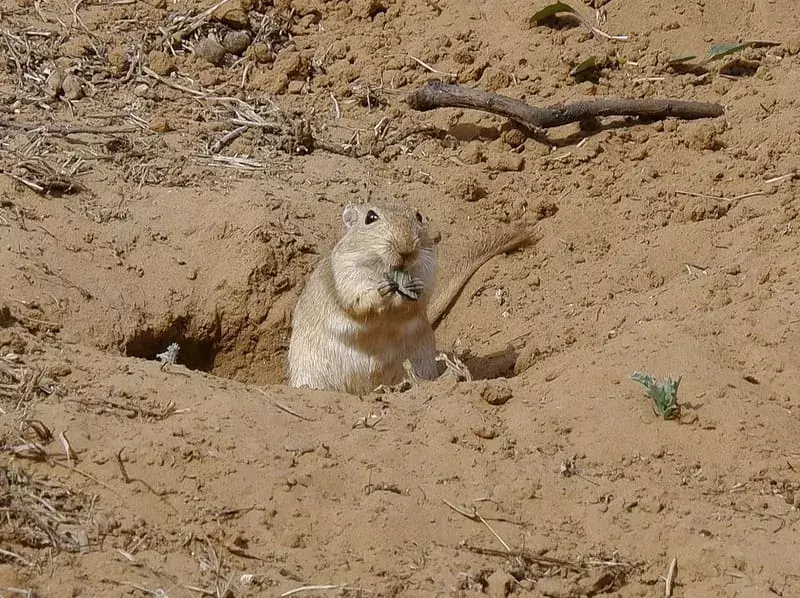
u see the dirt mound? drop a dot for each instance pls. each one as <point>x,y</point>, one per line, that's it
<point>172,172</point>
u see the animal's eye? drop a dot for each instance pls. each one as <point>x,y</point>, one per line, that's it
<point>419,217</point>
<point>371,217</point>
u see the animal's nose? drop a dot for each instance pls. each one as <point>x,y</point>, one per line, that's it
<point>402,257</point>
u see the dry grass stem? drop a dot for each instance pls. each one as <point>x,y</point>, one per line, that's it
<point>431,69</point>
<point>302,589</point>
<point>46,514</point>
<point>669,580</point>
<point>286,409</point>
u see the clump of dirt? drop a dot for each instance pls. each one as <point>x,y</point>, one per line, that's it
<point>171,172</point>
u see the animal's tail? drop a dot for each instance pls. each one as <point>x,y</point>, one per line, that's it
<point>486,249</point>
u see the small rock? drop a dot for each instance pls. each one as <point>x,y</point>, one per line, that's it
<point>366,9</point>
<point>475,71</point>
<point>72,87</point>
<point>210,50</point>
<point>305,7</point>
<point>75,48</point>
<point>293,540</point>
<point>529,356</point>
<point>295,87</point>
<point>54,82</point>
<point>236,42</point>
<point>159,124</point>
<point>721,86</point>
<point>466,188</point>
<point>118,60</point>
<point>494,79</point>
<point>500,584</point>
<point>210,77</point>
<point>291,64</point>
<point>733,270</point>
<point>260,53</point>
<point>473,153</point>
<point>6,319</point>
<point>792,45</point>
<point>701,136</point>
<point>269,82</point>
<point>233,14</point>
<point>485,432</point>
<point>496,393</point>
<point>161,63</point>
<point>463,55</point>
<point>514,137</point>
<point>545,208</point>
<point>505,161</point>
<point>141,90</point>
<point>697,209</point>
<point>556,587</point>
<point>598,582</point>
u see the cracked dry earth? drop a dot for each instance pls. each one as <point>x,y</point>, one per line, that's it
<point>172,170</point>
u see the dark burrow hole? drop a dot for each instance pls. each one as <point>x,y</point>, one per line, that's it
<point>197,351</point>
<point>500,364</point>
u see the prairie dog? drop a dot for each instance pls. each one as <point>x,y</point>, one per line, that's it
<point>354,325</point>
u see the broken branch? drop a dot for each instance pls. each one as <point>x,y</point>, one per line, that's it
<point>443,95</point>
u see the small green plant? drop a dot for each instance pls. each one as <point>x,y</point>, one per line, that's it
<point>664,394</point>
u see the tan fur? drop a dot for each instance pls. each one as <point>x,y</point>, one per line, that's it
<point>349,333</point>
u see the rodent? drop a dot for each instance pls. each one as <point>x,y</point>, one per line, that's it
<point>353,326</point>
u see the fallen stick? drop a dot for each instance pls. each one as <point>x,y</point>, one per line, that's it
<point>444,95</point>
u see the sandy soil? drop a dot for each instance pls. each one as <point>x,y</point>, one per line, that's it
<point>134,213</point>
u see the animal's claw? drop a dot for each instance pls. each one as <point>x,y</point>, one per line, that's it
<point>387,287</point>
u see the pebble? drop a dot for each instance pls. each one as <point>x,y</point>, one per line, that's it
<point>54,82</point>
<point>233,14</point>
<point>161,63</point>
<point>236,42</point>
<point>466,188</point>
<point>210,50</point>
<point>73,89</point>
<point>500,584</point>
<point>500,161</point>
<point>159,124</point>
<point>497,393</point>
<point>367,9</point>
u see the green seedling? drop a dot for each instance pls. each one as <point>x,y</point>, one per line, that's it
<point>664,394</point>
<point>718,51</point>
<point>586,69</point>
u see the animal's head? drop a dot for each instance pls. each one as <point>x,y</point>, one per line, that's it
<point>381,236</point>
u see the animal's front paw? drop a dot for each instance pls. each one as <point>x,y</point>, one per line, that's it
<point>413,286</point>
<point>407,286</point>
<point>387,287</point>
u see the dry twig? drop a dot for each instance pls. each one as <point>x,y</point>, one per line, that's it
<point>442,95</point>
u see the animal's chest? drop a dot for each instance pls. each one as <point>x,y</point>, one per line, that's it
<point>373,355</point>
<point>386,338</point>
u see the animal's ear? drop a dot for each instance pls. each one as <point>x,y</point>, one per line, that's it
<point>349,215</point>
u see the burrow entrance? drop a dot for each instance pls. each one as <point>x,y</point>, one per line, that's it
<point>197,352</point>
<point>240,350</point>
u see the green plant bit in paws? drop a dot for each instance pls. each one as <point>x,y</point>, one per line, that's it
<point>664,394</point>
<point>408,286</point>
